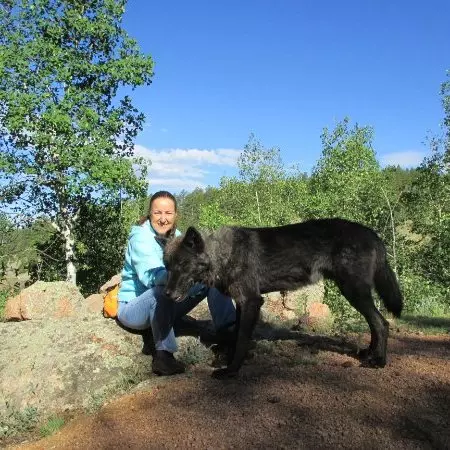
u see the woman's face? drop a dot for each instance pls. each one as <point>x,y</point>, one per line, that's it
<point>162,214</point>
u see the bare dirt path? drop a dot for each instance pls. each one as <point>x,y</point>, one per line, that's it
<point>290,395</point>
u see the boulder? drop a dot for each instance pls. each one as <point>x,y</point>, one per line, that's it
<point>318,317</point>
<point>58,365</point>
<point>112,283</point>
<point>44,300</point>
<point>300,299</point>
<point>292,304</point>
<point>94,303</point>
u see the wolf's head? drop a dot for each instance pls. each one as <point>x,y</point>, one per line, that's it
<point>186,263</point>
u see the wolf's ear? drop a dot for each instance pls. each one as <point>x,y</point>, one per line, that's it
<point>162,239</point>
<point>194,240</point>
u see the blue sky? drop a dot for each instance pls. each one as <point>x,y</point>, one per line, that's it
<point>284,70</point>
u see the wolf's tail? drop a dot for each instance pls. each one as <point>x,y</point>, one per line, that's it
<point>387,286</point>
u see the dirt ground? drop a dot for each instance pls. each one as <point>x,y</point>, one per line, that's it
<point>307,392</point>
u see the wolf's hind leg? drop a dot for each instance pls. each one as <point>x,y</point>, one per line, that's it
<point>360,297</point>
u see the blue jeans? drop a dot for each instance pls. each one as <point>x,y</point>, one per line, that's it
<point>154,309</point>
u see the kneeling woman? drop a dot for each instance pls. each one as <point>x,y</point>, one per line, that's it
<point>142,303</point>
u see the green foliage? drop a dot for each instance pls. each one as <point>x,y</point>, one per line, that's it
<point>191,204</point>
<point>265,193</point>
<point>445,96</point>
<point>424,296</point>
<point>346,180</point>
<point>212,217</point>
<point>403,206</point>
<point>257,163</point>
<point>428,204</point>
<point>101,235</point>
<point>53,424</point>
<point>66,137</point>
<point>14,422</point>
<point>346,318</point>
<point>7,251</point>
<point>67,146</point>
<point>18,244</point>
<point>4,295</point>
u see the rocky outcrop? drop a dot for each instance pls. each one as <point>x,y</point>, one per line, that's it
<point>94,303</point>
<point>110,284</point>
<point>64,364</point>
<point>58,353</point>
<point>44,300</point>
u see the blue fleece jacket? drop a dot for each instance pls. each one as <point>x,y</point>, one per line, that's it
<point>144,267</point>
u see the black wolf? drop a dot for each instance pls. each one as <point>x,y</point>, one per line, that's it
<point>247,262</point>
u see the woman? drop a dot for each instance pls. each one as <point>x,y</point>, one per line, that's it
<point>142,303</point>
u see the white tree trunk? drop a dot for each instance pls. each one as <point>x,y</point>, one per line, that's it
<point>71,276</point>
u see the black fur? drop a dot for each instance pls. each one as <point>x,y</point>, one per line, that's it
<point>247,262</point>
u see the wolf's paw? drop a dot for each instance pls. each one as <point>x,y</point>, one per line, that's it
<point>224,373</point>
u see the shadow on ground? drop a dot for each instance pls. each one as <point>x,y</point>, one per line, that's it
<point>425,322</point>
<point>266,331</point>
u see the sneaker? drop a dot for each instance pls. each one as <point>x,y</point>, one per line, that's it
<point>165,364</point>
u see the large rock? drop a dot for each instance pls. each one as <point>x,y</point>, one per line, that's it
<point>94,303</point>
<point>58,365</point>
<point>293,304</point>
<point>301,298</point>
<point>317,317</point>
<point>110,284</point>
<point>44,300</point>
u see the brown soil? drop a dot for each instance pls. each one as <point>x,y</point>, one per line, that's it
<point>303,393</point>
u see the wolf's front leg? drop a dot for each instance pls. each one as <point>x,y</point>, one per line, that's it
<point>249,314</point>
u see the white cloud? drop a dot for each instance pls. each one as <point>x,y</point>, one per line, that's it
<point>185,168</point>
<point>221,156</point>
<point>176,183</point>
<point>409,158</point>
